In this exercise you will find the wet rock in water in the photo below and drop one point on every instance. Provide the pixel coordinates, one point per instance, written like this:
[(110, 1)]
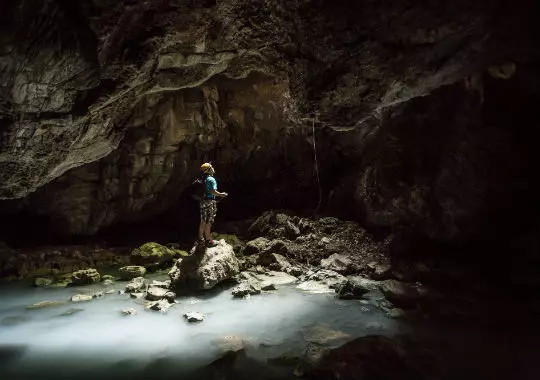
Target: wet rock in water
[(41, 282), (161, 305), (355, 288), (154, 255), (267, 286), (399, 293), (107, 277), (245, 289), (14, 320), (193, 316), (170, 297), (108, 282), (136, 295), (322, 281), (131, 271), (324, 335), (135, 285), (369, 357), (121, 292), (155, 293), (44, 304), (205, 269), (395, 313), (69, 312), (161, 284), (81, 298), (112, 291), (379, 271), (129, 311), (98, 294), (338, 263), (256, 246), (85, 277)]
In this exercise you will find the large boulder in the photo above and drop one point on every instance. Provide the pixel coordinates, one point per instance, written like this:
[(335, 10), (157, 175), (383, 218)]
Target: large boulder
[(399, 293), (131, 271), (322, 281), (275, 225), (205, 268), (255, 246), (355, 288), (85, 277), (154, 255), (338, 263), (135, 285)]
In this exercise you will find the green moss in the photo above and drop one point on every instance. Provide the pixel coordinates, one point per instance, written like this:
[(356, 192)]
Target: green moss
[(229, 239), (177, 253)]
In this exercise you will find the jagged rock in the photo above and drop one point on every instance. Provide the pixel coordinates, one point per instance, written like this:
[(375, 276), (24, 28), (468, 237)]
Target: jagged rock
[(85, 277), (353, 288), (338, 263), (155, 293), (131, 271), (379, 271), (369, 357), (204, 270), (81, 298), (233, 240), (322, 281), (399, 293), (41, 282), (161, 305), (130, 311), (161, 284), (273, 261), (246, 288), (255, 246), (170, 296), (267, 286), (135, 285), (193, 316)]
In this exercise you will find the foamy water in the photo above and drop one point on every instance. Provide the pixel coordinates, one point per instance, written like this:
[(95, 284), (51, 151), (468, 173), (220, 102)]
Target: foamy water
[(99, 341)]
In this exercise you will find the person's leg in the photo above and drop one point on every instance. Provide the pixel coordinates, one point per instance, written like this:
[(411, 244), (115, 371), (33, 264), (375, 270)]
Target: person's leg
[(207, 232), (202, 227)]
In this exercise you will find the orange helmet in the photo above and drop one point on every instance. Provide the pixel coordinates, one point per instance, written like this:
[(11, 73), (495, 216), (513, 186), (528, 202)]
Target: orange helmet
[(206, 167)]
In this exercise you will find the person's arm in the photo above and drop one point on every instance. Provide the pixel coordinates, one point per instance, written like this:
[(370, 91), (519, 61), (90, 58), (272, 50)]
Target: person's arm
[(218, 194)]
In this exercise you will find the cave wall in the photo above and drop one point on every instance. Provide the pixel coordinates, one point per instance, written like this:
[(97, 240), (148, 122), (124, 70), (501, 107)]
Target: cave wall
[(107, 108)]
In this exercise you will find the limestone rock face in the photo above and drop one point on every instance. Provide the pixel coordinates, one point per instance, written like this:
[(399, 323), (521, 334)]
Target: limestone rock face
[(205, 269), (105, 107)]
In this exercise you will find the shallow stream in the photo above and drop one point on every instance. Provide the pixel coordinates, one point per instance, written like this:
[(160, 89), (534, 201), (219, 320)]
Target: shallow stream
[(97, 341)]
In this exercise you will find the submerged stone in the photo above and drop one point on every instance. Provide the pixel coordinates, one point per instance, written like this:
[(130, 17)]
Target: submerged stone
[(81, 298), (193, 316), (70, 312), (44, 304)]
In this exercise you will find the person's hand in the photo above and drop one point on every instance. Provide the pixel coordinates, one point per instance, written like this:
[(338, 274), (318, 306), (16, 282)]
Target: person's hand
[(223, 195)]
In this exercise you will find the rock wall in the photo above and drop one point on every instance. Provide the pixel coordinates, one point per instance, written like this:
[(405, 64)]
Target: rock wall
[(107, 108)]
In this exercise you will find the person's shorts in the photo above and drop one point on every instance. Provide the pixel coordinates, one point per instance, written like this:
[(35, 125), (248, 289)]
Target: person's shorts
[(208, 210)]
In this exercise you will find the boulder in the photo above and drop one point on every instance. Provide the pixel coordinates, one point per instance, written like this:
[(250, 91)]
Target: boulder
[(85, 277), (135, 285), (355, 288), (108, 283), (161, 284), (245, 289), (131, 271), (399, 293), (161, 305), (154, 255), (273, 261), (322, 281), (338, 263), (155, 293), (255, 246), (229, 239), (81, 298), (274, 225), (267, 286), (41, 282), (206, 268), (379, 271), (193, 316), (170, 296)]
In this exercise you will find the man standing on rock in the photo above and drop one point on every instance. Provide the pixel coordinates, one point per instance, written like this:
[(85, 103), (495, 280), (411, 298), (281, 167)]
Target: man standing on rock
[(208, 205)]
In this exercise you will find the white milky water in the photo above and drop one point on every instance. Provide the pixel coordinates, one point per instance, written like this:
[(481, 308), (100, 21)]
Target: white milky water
[(99, 342)]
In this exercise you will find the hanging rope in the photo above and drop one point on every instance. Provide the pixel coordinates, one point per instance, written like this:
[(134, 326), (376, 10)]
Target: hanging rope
[(316, 163)]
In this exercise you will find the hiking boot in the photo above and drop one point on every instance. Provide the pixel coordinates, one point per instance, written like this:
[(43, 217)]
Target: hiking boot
[(211, 243)]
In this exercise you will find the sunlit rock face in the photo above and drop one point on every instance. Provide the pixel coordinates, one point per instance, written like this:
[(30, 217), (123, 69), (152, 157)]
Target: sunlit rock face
[(107, 108)]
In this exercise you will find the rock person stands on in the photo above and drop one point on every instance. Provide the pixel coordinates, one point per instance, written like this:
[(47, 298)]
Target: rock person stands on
[(208, 205)]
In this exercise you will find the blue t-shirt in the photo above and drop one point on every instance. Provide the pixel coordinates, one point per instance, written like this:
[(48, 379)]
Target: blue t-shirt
[(211, 184)]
